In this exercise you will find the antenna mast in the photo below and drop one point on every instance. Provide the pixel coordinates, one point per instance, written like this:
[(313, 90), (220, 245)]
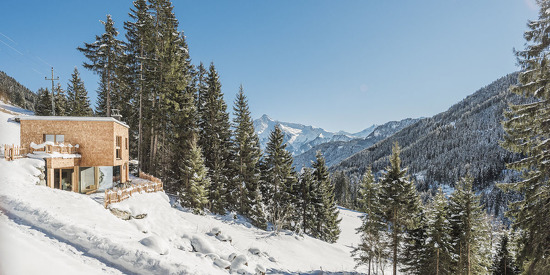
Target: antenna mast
[(52, 79)]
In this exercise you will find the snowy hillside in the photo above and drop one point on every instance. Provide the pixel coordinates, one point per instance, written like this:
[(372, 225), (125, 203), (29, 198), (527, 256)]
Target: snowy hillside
[(39, 223), (301, 138), (169, 240)]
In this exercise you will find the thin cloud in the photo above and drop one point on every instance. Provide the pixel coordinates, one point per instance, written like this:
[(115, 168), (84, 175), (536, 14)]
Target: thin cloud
[(7, 37), (11, 47)]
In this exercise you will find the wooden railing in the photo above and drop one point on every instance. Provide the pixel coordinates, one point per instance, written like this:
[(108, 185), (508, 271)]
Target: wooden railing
[(13, 151), (119, 194), (57, 148), (149, 177)]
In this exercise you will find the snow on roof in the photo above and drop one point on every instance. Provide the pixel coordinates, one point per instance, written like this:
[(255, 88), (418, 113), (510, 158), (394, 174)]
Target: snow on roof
[(71, 118)]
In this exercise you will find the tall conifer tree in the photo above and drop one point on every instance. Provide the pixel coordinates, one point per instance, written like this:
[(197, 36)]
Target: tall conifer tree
[(60, 101), (247, 152), (372, 249), (470, 231), (103, 54), (278, 177), (400, 202), (327, 213), (215, 134), (78, 103), (43, 104), (528, 133)]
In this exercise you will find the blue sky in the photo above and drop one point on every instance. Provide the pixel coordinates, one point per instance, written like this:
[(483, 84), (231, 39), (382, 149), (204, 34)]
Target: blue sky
[(339, 65)]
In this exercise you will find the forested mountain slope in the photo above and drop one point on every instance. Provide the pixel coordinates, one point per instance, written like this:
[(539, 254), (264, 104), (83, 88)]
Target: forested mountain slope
[(336, 151), (443, 148), (13, 92)]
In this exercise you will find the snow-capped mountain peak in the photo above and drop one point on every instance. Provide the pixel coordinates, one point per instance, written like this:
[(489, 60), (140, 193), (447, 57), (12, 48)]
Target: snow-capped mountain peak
[(299, 137)]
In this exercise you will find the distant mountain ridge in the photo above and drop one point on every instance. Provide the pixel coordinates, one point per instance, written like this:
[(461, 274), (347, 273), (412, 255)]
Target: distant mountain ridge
[(442, 149), (299, 137), (336, 151)]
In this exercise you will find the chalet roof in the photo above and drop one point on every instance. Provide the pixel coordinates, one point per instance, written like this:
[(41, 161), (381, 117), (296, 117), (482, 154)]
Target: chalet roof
[(71, 118)]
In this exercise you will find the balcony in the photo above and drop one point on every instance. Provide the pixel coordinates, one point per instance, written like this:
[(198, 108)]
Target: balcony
[(50, 149)]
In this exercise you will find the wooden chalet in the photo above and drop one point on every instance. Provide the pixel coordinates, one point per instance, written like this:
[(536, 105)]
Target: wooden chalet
[(82, 154)]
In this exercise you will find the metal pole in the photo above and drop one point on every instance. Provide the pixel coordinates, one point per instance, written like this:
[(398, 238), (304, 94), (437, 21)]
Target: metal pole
[(52, 79)]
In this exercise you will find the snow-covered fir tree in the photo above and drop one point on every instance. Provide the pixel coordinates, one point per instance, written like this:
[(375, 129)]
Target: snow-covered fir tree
[(193, 191), (372, 251), (306, 207), (342, 189), (78, 103), (247, 152), (43, 105), (277, 178), (428, 247), (528, 133), (503, 263), (60, 101), (102, 55), (469, 231), (326, 211), (400, 203), (138, 47), (215, 141)]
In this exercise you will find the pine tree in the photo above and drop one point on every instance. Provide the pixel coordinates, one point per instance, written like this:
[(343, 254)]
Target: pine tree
[(503, 263), (341, 189), (277, 179), (78, 103), (60, 101), (428, 247), (327, 213), (439, 246), (215, 134), (400, 202), (193, 192), (139, 47), (414, 258), (469, 231), (103, 53), (528, 132), (43, 104), (372, 250), (247, 152), (306, 209)]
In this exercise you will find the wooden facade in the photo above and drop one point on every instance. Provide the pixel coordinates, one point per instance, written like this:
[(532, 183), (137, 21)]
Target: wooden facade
[(100, 142)]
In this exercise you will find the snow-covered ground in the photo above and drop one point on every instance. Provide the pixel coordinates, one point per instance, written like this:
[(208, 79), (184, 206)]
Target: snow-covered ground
[(48, 231), (169, 240)]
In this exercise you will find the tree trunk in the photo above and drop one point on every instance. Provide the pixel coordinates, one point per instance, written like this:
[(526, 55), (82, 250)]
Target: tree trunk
[(437, 263), (469, 272), (140, 124), (394, 242), (108, 92), (369, 265)]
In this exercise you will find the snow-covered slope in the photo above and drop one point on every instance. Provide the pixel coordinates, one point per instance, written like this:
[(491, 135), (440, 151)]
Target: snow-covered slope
[(169, 240), (299, 137)]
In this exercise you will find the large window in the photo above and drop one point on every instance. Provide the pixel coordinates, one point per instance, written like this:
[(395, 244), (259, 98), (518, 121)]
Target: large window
[(118, 147), (87, 179)]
